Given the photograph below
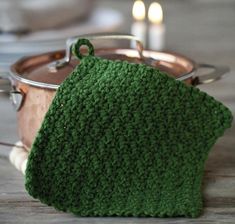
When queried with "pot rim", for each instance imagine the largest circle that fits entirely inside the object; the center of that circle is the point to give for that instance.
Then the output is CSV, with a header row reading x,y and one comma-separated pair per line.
x,y
149,54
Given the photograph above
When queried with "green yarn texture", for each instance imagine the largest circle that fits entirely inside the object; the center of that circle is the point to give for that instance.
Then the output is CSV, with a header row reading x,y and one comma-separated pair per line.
x,y
122,139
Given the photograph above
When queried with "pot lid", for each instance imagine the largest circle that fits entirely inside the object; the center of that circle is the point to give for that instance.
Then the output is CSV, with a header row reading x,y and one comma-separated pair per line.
x,y
39,70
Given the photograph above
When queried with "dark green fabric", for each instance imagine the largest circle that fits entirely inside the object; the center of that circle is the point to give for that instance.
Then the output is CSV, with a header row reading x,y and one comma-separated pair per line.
x,y
124,139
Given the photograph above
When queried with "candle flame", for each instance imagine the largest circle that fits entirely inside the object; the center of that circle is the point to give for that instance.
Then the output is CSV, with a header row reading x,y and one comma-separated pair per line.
x,y
155,13
138,10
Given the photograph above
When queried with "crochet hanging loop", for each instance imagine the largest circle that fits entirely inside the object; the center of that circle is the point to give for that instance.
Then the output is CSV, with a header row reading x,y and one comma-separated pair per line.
x,y
76,48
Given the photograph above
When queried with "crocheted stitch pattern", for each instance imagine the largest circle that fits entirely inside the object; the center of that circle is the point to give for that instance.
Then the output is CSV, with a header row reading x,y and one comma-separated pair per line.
x,y
124,139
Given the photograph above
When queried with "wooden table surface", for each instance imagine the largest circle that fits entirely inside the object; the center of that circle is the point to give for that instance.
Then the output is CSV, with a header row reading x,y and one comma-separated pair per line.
x,y
201,29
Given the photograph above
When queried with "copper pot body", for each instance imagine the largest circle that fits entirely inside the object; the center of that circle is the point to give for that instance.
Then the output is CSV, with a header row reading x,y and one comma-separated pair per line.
x,y
30,116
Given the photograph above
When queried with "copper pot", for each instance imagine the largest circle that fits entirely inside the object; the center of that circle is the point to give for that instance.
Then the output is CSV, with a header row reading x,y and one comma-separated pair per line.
x,y
34,79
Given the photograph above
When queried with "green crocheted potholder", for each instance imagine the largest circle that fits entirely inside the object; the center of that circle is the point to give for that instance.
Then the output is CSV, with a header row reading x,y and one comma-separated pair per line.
x,y
122,139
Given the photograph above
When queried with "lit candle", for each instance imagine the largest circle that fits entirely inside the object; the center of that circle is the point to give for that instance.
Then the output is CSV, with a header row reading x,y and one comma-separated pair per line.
x,y
156,28
138,27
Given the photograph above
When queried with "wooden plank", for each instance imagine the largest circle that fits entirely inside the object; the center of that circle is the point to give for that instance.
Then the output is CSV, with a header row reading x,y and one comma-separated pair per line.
x,y
14,201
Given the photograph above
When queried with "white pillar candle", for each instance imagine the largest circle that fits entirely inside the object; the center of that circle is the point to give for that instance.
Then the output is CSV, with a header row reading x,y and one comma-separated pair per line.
x,y
18,157
156,28
21,157
138,27
15,152
23,166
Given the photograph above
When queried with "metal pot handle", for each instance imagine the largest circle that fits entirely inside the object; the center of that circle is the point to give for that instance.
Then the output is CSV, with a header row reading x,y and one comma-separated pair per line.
x,y
69,42
15,96
216,74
